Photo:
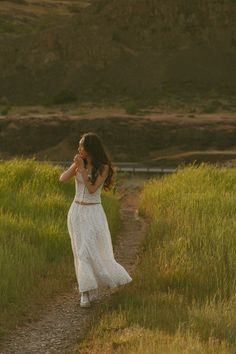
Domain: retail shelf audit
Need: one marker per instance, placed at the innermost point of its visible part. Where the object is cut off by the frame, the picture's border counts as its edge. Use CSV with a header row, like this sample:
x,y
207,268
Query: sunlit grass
x,y
183,295
36,260
193,214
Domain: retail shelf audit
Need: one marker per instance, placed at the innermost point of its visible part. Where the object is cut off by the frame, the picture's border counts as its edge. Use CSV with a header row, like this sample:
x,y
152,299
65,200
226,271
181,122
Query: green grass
x,y
183,295
36,260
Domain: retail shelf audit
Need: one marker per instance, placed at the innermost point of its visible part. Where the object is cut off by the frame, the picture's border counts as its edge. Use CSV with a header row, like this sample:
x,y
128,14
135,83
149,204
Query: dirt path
x,y
64,322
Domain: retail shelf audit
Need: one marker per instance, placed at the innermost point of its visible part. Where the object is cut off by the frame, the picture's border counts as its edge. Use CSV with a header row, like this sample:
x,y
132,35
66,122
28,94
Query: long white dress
x,y
95,265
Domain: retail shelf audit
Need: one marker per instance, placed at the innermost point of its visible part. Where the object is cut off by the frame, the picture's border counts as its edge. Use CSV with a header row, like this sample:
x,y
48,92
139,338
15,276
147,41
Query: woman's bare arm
x,y
70,172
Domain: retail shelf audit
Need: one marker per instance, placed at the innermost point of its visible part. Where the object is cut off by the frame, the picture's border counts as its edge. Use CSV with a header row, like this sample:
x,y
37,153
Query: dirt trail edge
x,y
65,322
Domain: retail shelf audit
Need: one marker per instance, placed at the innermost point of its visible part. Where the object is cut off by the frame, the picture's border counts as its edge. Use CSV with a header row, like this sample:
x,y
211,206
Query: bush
x,y
5,110
131,107
74,8
212,106
63,97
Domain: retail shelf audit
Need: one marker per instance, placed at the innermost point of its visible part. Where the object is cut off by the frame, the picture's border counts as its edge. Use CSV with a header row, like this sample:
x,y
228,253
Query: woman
x,y
88,228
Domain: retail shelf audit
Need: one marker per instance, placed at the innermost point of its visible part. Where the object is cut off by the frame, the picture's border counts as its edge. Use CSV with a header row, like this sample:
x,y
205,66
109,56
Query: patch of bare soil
x,y
161,114
64,322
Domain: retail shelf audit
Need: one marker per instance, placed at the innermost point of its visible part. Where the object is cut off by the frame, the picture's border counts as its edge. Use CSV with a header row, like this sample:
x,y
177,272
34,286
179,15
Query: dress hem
x,y
106,287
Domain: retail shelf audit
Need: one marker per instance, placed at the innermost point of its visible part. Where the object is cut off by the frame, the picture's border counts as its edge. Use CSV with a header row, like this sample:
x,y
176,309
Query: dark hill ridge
x,y
114,50
158,140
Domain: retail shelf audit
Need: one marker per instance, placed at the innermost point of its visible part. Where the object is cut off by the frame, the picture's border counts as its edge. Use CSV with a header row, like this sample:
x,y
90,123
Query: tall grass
x,y
36,260
193,212
183,295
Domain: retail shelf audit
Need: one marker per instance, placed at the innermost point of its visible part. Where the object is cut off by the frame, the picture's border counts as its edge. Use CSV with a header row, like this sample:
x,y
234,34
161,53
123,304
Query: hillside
x,y
100,50
152,138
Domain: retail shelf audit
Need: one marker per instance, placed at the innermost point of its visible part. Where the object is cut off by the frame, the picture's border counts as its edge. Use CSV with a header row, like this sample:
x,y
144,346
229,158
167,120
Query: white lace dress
x,y
95,265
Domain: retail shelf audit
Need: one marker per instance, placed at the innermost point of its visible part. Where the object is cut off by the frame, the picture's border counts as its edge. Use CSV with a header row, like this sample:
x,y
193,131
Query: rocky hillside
x,y
55,51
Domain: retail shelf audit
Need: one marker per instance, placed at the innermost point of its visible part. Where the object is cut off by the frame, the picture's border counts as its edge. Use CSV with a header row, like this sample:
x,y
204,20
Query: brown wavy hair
x,y
94,146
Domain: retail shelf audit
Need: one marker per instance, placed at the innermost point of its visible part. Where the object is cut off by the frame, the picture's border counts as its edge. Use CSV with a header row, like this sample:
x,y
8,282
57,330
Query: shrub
x,y
64,96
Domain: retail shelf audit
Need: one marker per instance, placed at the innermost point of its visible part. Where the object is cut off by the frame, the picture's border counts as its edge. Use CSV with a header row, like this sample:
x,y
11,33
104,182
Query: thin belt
x,y
83,203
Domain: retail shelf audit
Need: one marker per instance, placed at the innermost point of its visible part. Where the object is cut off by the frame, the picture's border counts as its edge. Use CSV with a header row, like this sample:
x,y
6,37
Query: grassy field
x,y
36,260
183,297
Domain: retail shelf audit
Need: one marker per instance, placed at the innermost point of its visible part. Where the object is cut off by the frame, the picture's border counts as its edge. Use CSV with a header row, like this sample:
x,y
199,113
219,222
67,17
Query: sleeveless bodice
x,y
81,191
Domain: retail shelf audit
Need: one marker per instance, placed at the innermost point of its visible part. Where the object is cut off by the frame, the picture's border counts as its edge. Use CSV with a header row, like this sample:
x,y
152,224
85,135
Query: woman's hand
x,y
79,162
